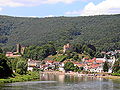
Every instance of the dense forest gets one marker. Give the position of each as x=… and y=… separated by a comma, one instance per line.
x=101, y=31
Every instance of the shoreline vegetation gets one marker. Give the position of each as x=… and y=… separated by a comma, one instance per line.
x=31, y=76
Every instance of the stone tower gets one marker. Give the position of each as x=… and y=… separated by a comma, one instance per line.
x=66, y=47
x=22, y=50
x=18, y=48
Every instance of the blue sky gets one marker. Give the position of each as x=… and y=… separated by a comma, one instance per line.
x=49, y=8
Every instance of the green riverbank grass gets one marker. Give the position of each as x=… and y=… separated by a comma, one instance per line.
x=116, y=74
x=21, y=78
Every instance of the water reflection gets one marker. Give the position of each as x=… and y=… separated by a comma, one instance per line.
x=64, y=82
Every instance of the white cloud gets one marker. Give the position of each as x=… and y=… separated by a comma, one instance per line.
x=105, y=7
x=58, y=1
x=10, y=3
x=19, y=3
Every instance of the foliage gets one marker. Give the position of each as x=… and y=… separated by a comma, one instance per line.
x=13, y=63
x=21, y=66
x=116, y=66
x=76, y=57
x=118, y=71
x=81, y=68
x=77, y=48
x=39, y=52
x=98, y=54
x=5, y=69
x=116, y=74
x=87, y=49
x=105, y=67
x=69, y=66
x=1, y=51
x=60, y=58
x=76, y=69
x=20, y=78
x=101, y=31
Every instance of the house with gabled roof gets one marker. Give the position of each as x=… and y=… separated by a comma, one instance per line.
x=33, y=64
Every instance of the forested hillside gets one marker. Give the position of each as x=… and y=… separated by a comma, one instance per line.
x=100, y=31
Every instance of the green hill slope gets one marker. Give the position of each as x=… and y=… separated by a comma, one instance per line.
x=101, y=31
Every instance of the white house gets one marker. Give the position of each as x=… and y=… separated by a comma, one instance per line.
x=33, y=64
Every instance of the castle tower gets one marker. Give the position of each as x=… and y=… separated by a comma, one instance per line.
x=22, y=50
x=18, y=48
x=66, y=47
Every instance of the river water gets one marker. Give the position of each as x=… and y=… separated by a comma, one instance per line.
x=64, y=82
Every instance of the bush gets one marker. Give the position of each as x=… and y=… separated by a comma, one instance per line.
x=116, y=74
x=118, y=71
x=20, y=78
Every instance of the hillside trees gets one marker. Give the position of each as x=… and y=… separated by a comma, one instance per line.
x=77, y=48
x=106, y=67
x=1, y=51
x=101, y=31
x=19, y=65
x=39, y=52
x=5, y=67
x=87, y=49
x=69, y=66
x=116, y=66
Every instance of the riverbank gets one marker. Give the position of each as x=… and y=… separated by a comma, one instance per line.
x=68, y=73
x=20, y=78
x=80, y=74
x=109, y=77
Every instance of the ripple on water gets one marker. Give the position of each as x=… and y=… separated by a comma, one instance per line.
x=29, y=83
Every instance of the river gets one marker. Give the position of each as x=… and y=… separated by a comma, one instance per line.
x=64, y=82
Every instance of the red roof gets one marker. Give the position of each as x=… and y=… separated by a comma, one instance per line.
x=95, y=65
x=99, y=61
x=49, y=61
x=94, y=59
x=56, y=62
x=89, y=61
x=75, y=62
x=86, y=58
x=80, y=65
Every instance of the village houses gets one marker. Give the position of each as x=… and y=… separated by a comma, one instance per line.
x=92, y=65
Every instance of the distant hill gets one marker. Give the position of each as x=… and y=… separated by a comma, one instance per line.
x=101, y=31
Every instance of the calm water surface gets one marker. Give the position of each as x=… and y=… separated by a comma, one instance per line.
x=62, y=82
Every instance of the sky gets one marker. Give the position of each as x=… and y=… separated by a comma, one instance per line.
x=51, y=8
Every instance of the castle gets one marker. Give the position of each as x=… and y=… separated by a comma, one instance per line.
x=66, y=47
x=19, y=50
